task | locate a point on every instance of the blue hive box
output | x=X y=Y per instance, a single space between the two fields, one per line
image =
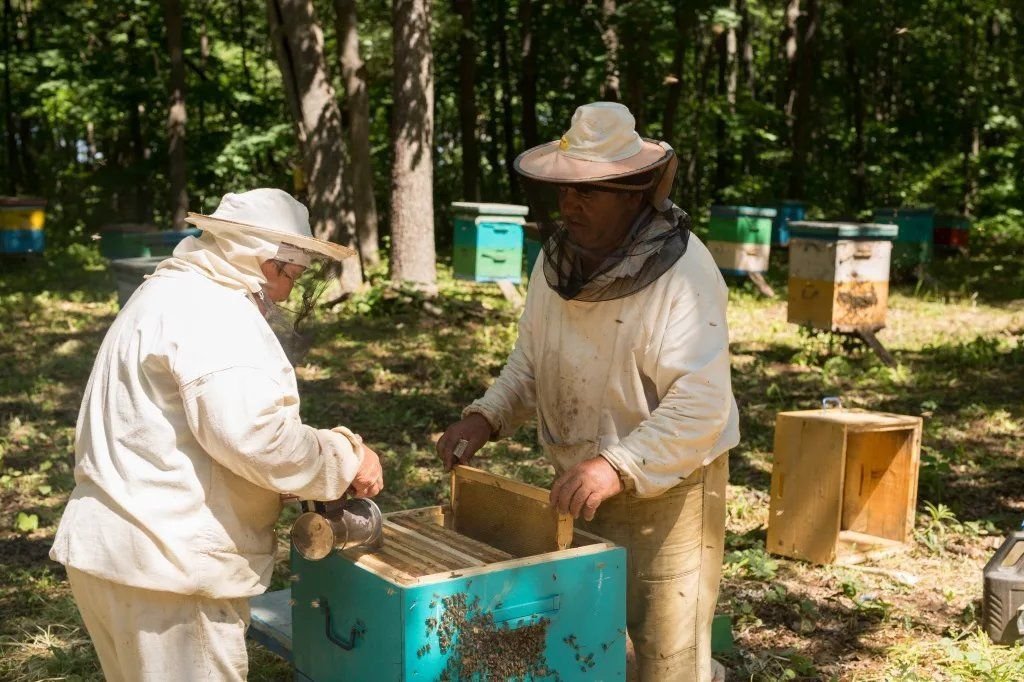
x=786 y=211
x=488 y=241
x=436 y=602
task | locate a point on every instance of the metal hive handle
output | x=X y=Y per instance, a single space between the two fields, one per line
x=358 y=629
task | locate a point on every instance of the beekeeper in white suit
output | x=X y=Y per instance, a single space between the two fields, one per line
x=188 y=435
x=623 y=357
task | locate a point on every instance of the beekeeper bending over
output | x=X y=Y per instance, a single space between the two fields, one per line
x=623 y=356
x=188 y=434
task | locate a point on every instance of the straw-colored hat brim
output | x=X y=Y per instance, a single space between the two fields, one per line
x=320 y=246
x=547 y=163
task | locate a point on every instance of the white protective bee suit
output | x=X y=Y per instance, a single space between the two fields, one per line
x=188 y=433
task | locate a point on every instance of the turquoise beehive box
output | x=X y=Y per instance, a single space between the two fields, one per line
x=436 y=604
x=914 y=243
x=488 y=241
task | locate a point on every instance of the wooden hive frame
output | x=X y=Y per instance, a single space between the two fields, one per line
x=494 y=522
x=844 y=484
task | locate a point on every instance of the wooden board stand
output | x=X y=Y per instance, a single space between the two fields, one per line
x=844 y=484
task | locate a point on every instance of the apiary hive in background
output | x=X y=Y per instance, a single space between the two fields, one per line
x=497 y=586
x=844 y=484
x=739 y=238
x=21 y=225
x=952 y=232
x=914 y=240
x=787 y=211
x=839 y=275
x=488 y=242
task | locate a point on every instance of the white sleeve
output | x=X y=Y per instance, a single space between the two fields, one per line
x=249 y=424
x=686 y=430
x=512 y=399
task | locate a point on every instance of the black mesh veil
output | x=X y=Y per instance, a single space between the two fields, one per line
x=289 y=319
x=652 y=240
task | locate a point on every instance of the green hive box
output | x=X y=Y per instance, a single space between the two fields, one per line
x=556 y=615
x=914 y=243
x=741 y=224
x=488 y=241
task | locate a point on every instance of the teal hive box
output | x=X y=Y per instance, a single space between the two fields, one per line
x=554 y=615
x=488 y=241
x=22 y=241
x=914 y=243
x=786 y=211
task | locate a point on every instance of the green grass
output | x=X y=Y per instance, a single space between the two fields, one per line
x=398 y=369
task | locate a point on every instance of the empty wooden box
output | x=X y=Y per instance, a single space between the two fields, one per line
x=839 y=275
x=844 y=484
x=496 y=586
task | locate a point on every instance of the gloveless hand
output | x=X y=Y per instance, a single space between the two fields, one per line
x=369 y=480
x=582 y=489
x=474 y=429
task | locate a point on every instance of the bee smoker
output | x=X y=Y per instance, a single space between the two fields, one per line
x=324 y=527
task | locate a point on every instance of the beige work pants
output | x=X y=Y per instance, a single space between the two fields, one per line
x=674 y=544
x=160 y=636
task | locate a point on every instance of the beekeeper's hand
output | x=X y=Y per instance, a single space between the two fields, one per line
x=369 y=480
x=474 y=429
x=582 y=489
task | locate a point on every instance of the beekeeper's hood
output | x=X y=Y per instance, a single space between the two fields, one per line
x=246 y=230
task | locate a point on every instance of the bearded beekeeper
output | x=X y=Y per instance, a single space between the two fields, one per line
x=623 y=356
x=188 y=435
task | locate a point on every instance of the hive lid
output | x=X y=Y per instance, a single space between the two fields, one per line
x=815 y=229
x=473 y=209
x=733 y=211
x=905 y=211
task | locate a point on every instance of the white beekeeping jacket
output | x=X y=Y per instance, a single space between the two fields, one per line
x=643 y=380
x=188 y=432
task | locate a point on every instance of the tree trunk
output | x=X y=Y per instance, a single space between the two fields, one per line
x=610 y=89
x=851 y=39
x=806 y=62
x=787 y=94
x=528 y=76
x=508 y=128
x=746 y=48
x=725 y=46
x=10 y=136
x=299 y=44
x=970 y=135
x=176 y=118
x=674 y=81
x=412 y=200
x=467 y=102
x=357 y=103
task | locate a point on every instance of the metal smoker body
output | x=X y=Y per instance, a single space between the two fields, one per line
x=325 y=527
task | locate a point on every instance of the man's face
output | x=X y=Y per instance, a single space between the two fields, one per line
x=598 y=220
x=280 y=279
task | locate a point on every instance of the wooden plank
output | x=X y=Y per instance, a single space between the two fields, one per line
x=857 y=419
x=858 y=261
x=516 y=563
x=439 y=550
x=854 y=548
x=378 y=566
x=877 y=488
x=421 y=562
x=806 y=488
x=511 y=515
x=454 y=540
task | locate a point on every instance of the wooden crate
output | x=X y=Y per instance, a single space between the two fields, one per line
x=498 y=567
x=844 y=484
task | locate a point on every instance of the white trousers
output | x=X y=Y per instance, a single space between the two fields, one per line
x=148 y=636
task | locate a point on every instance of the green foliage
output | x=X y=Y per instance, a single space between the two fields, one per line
x=753 y=564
